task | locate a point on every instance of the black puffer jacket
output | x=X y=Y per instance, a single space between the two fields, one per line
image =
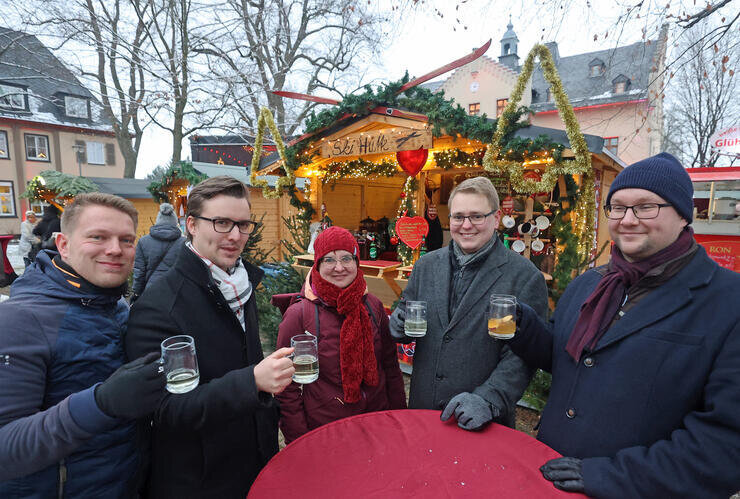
x=155 y=254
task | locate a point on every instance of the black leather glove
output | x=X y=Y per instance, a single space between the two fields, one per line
x=471 y=411
x=565 y=473
x=134 y=390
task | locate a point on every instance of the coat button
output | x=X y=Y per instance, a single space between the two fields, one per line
x=440 y=377
x=447 y=338
x=571 y=413
x=588 y=362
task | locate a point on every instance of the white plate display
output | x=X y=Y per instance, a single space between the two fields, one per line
x=542 y=222
x=508 y=221
x=518 y=246
x=537 y=245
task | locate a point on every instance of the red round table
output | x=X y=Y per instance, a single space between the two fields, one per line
x=408 y=453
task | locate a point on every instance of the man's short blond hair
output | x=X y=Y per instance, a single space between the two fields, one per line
x=477 y=185
x=72 y=211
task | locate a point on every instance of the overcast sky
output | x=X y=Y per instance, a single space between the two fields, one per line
x=425 y=41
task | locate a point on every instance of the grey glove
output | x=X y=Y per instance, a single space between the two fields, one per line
x=471 y=411
x=396 y=325
x=565 y=473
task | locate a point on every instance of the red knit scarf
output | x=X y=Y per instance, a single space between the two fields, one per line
x=599 y=309
x=356 y=352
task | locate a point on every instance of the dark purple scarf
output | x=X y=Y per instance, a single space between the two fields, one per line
x=598 y=311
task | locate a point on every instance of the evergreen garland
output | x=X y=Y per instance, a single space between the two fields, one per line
x=182 y=170
x=358 y=168
x=265 y=119
x=405 y=207
x=51 y=184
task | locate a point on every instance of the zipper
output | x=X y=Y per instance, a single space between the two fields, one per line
x=62 y=479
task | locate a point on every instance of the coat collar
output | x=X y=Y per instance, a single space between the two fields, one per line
x=665 y=300
x=194 y=269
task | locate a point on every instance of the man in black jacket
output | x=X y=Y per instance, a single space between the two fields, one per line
x=213 y=440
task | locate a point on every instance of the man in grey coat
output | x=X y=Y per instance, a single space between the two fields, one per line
x=458 y=367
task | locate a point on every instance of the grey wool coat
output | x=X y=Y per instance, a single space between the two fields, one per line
x=457 y=354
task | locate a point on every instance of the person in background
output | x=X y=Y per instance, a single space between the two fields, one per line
x=644 y=354
x=358 y=364
x=212 y=441
x=67 y=400
x=434 y=237
x=27 y=238
x=458 y=367
x=47 y=226
x=157 y=251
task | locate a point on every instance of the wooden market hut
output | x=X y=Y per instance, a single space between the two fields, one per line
x=348 y=156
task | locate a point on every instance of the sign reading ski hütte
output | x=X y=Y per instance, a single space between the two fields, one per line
x=377 y=142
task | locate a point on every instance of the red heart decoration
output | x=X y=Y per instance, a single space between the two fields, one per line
x=412 y=230
x=412 y=161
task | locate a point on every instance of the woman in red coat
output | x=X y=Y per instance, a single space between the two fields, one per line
x=358 y=366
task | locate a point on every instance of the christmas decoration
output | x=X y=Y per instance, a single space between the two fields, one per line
x=412 y=230
x=394 y=240
x=265 y=119
x=57 y=188
x=507 y=205
x=161 y=187
x=457 y=158
x=494 y=160
x=405 y=208
x=357 y=168
x=412 y=161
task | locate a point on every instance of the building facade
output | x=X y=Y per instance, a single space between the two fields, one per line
x=616 y=93
x=48 y=121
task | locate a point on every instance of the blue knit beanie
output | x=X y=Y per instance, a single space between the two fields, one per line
x=663 y=175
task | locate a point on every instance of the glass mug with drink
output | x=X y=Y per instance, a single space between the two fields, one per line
x=415 y=324
x=179 y=363
x=305 y=358
x=502 y=316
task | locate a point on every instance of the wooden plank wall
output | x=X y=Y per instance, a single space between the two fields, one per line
x=148 y=210
x=274 y=228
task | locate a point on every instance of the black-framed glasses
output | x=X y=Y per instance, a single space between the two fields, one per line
x=643 y=211
x=225 y=225
x=346 y=260
x=475 y=219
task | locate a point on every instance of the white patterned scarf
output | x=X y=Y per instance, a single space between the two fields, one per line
x=234 y=285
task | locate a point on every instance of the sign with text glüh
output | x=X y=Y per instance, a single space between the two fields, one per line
x=388 y=140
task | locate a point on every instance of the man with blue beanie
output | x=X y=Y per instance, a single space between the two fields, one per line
x=643 y=351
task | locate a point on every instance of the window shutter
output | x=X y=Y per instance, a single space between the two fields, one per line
x=81 y=149
x=110 y=154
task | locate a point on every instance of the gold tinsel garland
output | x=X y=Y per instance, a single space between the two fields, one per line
x=515 y=170
x=266 y=119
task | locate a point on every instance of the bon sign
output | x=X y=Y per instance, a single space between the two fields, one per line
x=727 y=141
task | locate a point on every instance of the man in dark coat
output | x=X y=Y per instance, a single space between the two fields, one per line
x=213 y=440
x=157 y=251
x=67 y=401
x=458 y=367
x=645 y=397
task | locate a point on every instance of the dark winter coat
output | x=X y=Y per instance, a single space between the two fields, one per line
x=56 y=343
x=654 y=410
x=155 y=254
x=212 y=441
x=457 y=354
x=304 y=408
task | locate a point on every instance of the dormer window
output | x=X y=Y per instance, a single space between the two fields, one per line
x=12 y=97
x=621 y=84
x=75 y=107
x=596 y=68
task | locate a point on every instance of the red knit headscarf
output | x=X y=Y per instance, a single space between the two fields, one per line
x=356 y=352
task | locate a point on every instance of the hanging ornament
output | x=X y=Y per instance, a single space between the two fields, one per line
x=412 y=161
x=412 y=230
x=394 y=240
x=507 y=205
x=403 y=195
